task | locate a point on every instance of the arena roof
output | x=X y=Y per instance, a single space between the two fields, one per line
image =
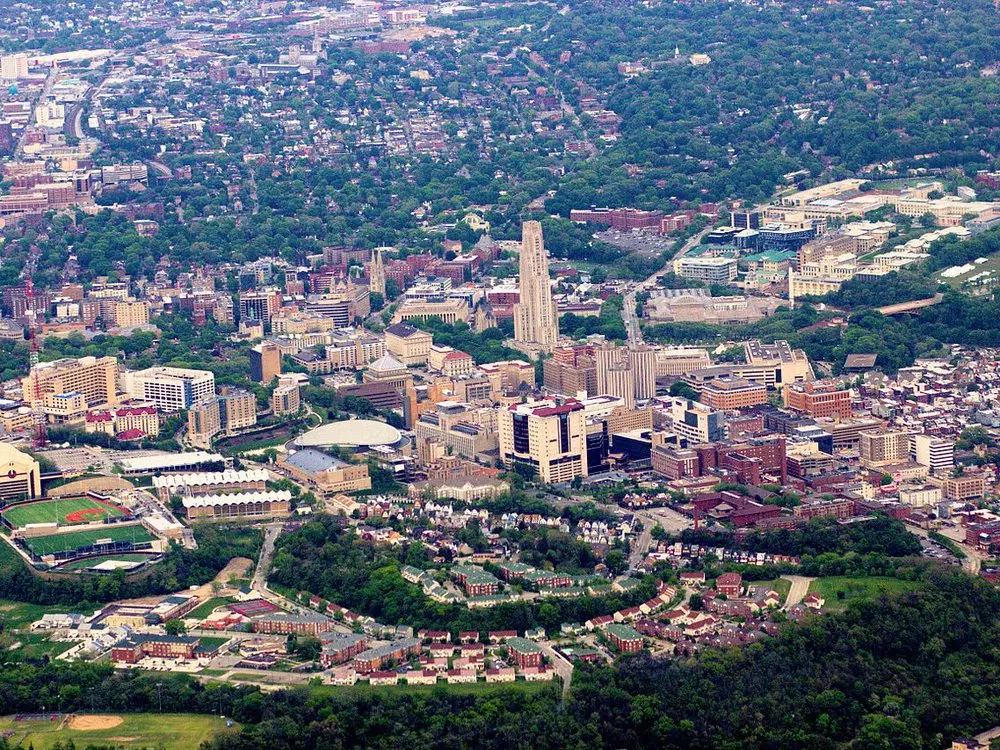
x=351 y=433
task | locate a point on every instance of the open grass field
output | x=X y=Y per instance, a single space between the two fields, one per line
x=21 y=614
x=45 y=545
x=63 y=512
x=206 y=608
x=89 y=562
x=171 y=731
x=840 y=591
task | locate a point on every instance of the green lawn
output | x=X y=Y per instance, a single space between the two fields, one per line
x=206 y=608
x=57 y=511
x=171 y=731
x=855 y=589
x=20 y=614
x=89 y=562
x=36 y=645
x=44 y=545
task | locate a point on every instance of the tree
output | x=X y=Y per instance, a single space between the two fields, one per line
x=616 y=561
x=175 y=627
x=683 y=390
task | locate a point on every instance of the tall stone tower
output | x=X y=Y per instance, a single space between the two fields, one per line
x=376 y=273
x=536 y=325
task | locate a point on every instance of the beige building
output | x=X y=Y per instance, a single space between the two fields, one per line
x=65 y=408
x=536 y=323
x=447 y=311
x=96 y=379
x=170 y=388
x=131 y=313
x=548 y=436
x=409 y=345
x=390 y=371
x=327 y=473
x=881 y=447
x=448 y=361
x=20 y=476
x=678 y=360
x=228 y=413
x=285 y=399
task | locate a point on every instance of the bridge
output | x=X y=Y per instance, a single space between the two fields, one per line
x=906 y=307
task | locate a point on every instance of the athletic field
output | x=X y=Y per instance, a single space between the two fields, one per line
x=66 y=512
x=54 y=543
x=170 y=731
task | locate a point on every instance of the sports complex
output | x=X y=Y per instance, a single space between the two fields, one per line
x=60 y=531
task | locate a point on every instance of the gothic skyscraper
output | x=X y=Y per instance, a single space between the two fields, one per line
x=536 y=325
x=376 y=274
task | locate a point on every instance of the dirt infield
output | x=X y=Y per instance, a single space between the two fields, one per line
x=90 y=723
x=87 y=514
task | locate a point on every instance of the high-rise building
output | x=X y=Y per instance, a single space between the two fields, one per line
x=265 y=362
x=285 y=399
x=14 y=67
x=130 y=313
x=937 y=454
x=170 y=388
x=229 y=412
x=549 y=436
x=695 y=422
x=376 y=273
x=886 y=446
x=644 y=365
x=614 y=374
x=536 y=325
x=259 y=306
x=819 y=400
x=96 y=378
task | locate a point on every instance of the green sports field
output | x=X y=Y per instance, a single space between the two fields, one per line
x=70 y=511
x=171 y=731
x=46 y=545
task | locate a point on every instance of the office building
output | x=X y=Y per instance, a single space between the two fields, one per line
x=170 y=388
x=679 y=360
x=96 y=378
x=259 y=306
x=937 y=454
x=449 y=310
x=695 y=422
x=265 y=362
x=408 y=344
x=548 y=436
x=707 y=269
x=732 y=393
x=536 y=326
x=827 y=400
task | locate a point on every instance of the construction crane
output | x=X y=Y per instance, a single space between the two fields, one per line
x=31 y=330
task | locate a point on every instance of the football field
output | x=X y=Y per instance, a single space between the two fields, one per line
x=70 y=511
x=53 y=543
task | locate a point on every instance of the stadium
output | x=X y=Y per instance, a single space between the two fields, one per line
x=354 y=434
x=61 y=530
